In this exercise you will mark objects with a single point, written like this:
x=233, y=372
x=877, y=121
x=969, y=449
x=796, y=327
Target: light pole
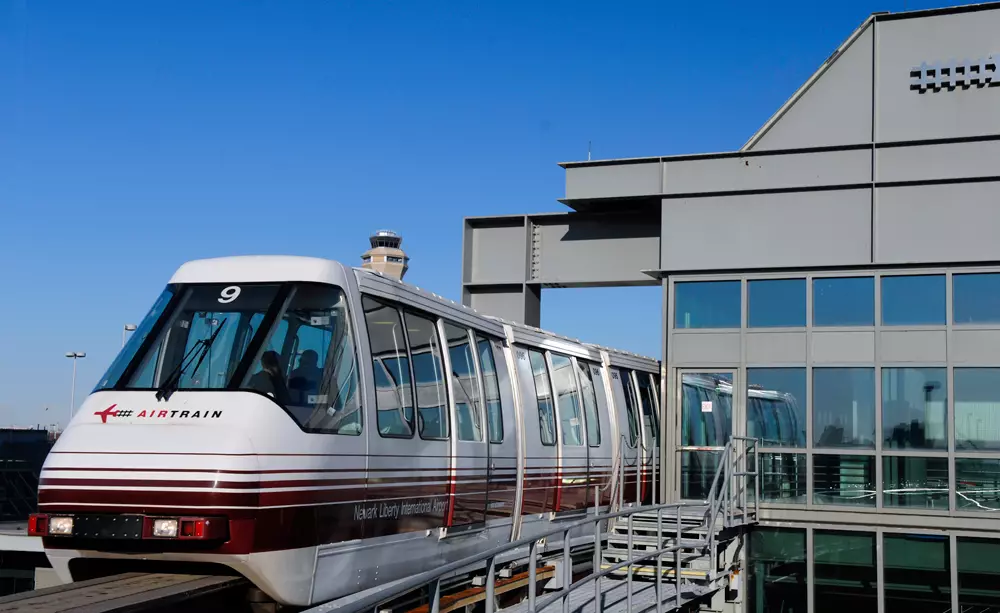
x=74, y=355
x=125, y=330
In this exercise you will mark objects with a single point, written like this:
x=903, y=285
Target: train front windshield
x=291, y=342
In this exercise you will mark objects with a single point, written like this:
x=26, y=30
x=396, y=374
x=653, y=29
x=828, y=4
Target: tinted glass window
x=977, y=408
x=977, y=484
x=847, y=301
x=650, y=420
x=706, y=409
x=776, y=406
x=914, y=408
x=844, y=479
x=978, y=575
x=776, y=302
x=777, y=573
x=589, y=403
x=432, y=395
x=976, y=298
x=707, y=304
x=568, y=399
x=543, y=397
x=915, y=482
x=135, y=341
x=844, y=565
x=783, y=478
x=917, y=573
x=494, y=412
x=391, y=369
x=913, y=300
x=625, y=376
x=465, y=384
x=844, y=407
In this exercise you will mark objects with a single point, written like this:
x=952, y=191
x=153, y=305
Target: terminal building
x=837, y=279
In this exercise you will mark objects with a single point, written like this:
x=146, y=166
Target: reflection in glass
x=976, y=298
x=589, y=402
x=978, y=575
x=631, y=408
x=915, y=482
x=844, y=407
x=428, y=371
x=776, y=302
x=913, y=300
x=783, y=478
x=697, y=472
x=977, y=484
x=847, y=301
x=568, y=400
x=707, y=304
x=543, y=398
x=465, y=384
x=846, y=577
x=977, y=408
x=650, y=420
x=776, y=406
x=494, y=412
x=914, y=408
x=844, y=479
x=135, y=341
x=706, y=409
x=917, y=573
x=777, y=574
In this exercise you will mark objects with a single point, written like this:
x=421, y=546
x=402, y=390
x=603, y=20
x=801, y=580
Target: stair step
x=650, y=541
x=647, y=571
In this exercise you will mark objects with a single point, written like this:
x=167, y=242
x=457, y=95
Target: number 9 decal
x=230, y=294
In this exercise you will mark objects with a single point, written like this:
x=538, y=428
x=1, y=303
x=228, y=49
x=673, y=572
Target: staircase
x=709, y=532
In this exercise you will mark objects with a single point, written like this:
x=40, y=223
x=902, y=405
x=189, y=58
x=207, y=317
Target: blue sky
x=137, y=135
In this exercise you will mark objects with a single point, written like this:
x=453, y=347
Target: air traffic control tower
x=842, y=271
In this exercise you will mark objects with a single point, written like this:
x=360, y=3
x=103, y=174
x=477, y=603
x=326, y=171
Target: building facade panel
x=587, y=250
x=706, y=349
x=938, y=162
x=497, y=253
x=842, y=347
x=930, y=346
x=776, y=347
x=614, y=181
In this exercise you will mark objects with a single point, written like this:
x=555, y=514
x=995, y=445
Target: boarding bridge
x=681, y=556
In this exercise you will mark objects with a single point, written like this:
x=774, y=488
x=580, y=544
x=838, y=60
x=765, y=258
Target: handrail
x=720, y=494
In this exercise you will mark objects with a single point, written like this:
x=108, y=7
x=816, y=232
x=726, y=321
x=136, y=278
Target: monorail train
x=322, y=430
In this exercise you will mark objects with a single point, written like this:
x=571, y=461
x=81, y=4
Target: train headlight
x=165, y=528
x=62, y=526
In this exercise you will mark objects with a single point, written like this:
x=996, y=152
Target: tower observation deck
x=386, y=255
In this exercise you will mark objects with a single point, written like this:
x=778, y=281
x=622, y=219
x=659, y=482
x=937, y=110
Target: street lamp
x=74, y=355
x=125, y=330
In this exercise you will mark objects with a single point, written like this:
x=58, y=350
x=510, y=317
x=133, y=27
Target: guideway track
x=130, y=592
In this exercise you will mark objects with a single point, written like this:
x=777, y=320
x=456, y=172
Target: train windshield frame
x=292, y=342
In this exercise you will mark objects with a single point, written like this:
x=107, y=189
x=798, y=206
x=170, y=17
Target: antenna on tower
x=588, y=150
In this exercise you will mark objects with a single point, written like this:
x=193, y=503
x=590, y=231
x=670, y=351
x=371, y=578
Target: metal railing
x=725, y=500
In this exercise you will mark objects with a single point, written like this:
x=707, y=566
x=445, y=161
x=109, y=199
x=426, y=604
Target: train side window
x=568, y=399
x=543, y=396
x=630, y=411
x=494, y=410
x=465, y=384
x=432, y=397
x=648, y=407
x=391, y=368
x=589, y=396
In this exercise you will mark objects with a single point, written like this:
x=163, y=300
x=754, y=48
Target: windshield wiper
x=201, y=347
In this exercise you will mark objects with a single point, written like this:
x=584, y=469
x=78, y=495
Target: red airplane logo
x=106, y=412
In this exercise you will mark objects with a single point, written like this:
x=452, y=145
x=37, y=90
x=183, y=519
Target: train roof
x=279, y=268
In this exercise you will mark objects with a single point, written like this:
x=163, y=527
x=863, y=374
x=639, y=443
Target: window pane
x=913, y=300
x=776, y=406
x=391, y=367
x=844, y=407
x=845, y=572
x=917, y=573
x=777, y=573
x=915, y=482
x=776, y=302
x=783, y=478
x=707, y=304
x=494, y=410
x=706, y=409
x=650, y=420
x=568, y=400
x=465, y=384
x=977, y=408
x=847, y=301
x=976, y=298
x=978, y=575
x=590, y=403
x=914, y=408
x=844, y=479
x=432, y=395
x=543, y=397
x=977, y=484
x=698, y=470
x=631, y=411
x=135, y=341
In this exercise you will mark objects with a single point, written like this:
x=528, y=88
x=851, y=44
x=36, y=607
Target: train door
x=501, y=432
x=649, y=409
x=705, y=402
x=628, y=417
x=573, y=450
x=470, y=449
x=599, y=431
x=409, y=453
